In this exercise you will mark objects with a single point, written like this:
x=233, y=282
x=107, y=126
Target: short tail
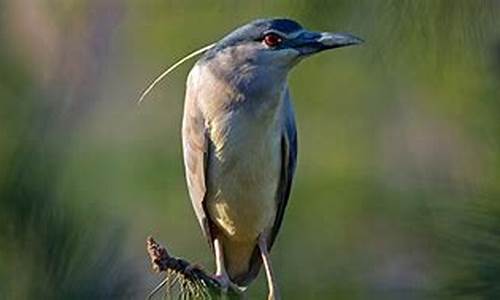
x=242, y=261
x=245, y=278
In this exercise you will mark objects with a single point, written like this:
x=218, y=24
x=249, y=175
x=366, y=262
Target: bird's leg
x=220, y=269
x=221, y=275
x=266, y=260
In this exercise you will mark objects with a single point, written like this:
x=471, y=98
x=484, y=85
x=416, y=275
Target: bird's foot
x=226, y=284
x=223, y=280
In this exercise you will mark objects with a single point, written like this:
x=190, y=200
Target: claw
x=223, y=281
x=226, y=284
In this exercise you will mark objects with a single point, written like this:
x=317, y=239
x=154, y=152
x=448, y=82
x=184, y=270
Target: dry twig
x=193, y=281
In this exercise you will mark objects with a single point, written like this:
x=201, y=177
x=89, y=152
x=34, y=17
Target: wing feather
x=196, y=150
x=288, y=165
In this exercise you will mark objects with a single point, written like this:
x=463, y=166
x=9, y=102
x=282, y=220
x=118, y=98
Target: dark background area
x=397, y=194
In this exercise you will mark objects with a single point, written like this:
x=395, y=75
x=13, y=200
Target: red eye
x=272, y=40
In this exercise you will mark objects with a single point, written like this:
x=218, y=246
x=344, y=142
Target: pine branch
x=192, y=279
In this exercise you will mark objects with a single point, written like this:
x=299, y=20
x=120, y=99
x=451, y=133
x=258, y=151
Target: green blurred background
x=397, y=194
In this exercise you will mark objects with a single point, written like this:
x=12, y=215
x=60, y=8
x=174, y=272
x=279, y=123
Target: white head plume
x=173, y=67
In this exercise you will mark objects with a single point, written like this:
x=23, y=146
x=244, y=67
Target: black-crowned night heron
x=240, y=141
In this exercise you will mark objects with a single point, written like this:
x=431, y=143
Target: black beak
x=313, y=42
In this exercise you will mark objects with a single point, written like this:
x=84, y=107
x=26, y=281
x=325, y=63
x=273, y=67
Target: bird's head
x=270, y=46
x=275, y=43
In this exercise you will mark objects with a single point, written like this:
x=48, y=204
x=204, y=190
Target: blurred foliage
x=397, y=194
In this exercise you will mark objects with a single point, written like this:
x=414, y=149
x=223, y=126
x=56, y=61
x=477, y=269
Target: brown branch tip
x=158, y=255
x=162, y=261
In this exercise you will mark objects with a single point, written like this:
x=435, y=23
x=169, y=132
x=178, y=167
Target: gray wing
x=195, y=149
x=288, y=165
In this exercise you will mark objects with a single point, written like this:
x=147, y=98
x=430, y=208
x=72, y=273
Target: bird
x=239, y=141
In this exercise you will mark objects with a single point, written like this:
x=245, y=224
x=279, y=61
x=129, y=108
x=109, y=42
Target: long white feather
x=173, y=67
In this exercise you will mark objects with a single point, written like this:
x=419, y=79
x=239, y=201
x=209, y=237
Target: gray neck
x=259, y=88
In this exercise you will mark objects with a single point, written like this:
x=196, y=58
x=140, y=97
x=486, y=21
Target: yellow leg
x=266, y=260
x=220, y=269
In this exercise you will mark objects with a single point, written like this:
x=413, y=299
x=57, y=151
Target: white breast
x=243, y=175
x=245, y=155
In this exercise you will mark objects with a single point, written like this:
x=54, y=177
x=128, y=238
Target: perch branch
x=162, y=261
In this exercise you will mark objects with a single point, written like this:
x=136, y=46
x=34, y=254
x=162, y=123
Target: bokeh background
x=397, y=194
